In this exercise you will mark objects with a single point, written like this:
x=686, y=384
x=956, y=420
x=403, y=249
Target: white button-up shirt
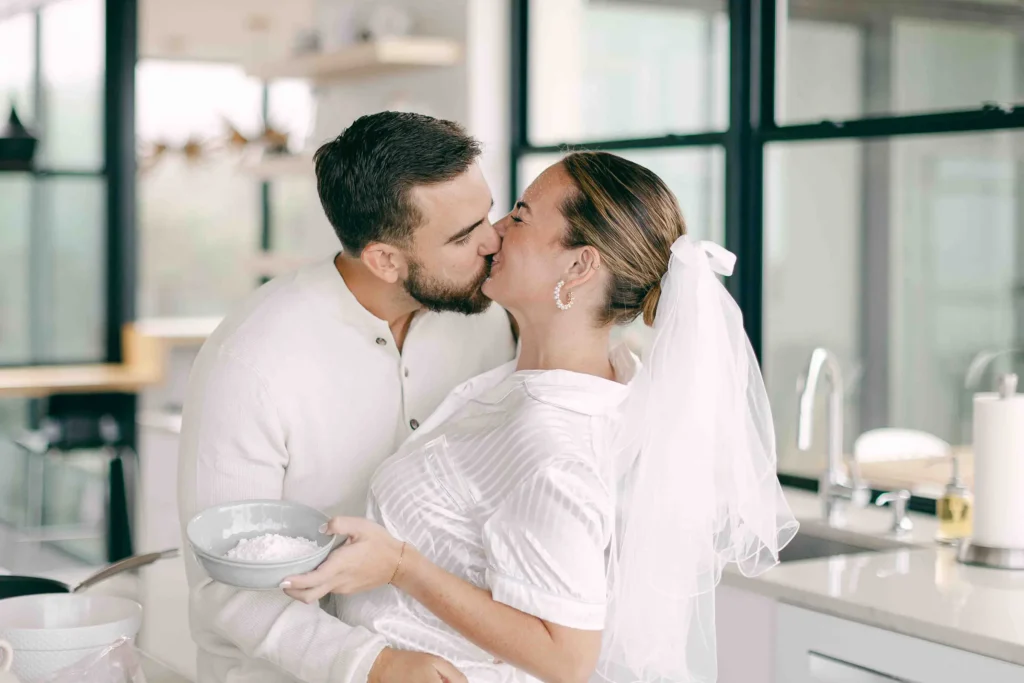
x=300, y=395
x=510, y=486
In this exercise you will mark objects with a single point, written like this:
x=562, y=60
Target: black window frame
x=752, y=125
x=117, y=169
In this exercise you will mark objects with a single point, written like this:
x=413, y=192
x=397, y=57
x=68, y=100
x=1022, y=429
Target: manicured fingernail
x=323, y=528
x=285, y=584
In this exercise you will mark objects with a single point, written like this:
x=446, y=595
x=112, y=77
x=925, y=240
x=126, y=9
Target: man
x=321, y=374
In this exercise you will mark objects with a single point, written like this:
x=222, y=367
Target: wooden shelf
x=364, y=59
x=279, y=165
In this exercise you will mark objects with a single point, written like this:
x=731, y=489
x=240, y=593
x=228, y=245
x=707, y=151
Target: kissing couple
x=522, y=499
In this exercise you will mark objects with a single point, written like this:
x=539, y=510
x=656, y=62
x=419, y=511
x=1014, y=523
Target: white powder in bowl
x=272, y=548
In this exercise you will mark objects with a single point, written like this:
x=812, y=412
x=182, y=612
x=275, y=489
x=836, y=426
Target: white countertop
x=157, y=672
x=917, y=591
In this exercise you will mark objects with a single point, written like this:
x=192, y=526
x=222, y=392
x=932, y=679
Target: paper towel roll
x=999, y=470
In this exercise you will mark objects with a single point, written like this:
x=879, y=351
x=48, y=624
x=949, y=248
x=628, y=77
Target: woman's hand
x=367, y=560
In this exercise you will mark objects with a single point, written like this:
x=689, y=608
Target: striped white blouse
x=509, y=486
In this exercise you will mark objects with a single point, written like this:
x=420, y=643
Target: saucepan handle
x=125, y=565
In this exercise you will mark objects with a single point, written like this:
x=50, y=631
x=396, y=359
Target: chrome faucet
x=838, y=485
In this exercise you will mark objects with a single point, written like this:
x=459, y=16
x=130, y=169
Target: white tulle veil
x=697, y=472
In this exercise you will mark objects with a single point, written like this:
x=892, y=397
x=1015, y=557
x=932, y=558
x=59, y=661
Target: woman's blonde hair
x=631, y=217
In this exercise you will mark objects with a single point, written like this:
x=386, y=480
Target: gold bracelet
x=401, y=556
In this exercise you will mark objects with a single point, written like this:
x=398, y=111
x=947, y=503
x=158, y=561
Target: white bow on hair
x=720, y=259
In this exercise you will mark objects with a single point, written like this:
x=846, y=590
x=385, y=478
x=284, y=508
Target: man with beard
x=322, y=373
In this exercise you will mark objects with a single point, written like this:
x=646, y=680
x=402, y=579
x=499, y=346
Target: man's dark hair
x=364, y=175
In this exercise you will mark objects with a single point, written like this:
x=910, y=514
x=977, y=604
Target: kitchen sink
x=815, y=540
x=807, y=547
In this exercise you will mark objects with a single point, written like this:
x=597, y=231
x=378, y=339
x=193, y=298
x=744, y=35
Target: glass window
x=201, y=257
x=625, y=69
x=299, y=229
x=696, y=175
x=697, y=178
x=812, y=276
x=73, y=225
x=176, y=101
x=14, y=414
x=861, y=58
x=195, y=256
x=957, y=223
x=292, y=109
x=52, y=269
x=17, y=45
x=903, y=257
x=72, y=64
x=15, y=226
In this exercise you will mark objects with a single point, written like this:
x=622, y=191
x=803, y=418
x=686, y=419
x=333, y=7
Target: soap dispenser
x=954, y=509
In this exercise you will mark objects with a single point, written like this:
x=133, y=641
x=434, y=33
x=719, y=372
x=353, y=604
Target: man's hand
x=401, y=666
x=367, y=560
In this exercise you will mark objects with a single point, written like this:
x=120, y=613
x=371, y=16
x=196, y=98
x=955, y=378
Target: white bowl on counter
x=52, y=632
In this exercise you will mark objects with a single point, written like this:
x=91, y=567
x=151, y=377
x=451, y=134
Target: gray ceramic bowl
x=216, y=530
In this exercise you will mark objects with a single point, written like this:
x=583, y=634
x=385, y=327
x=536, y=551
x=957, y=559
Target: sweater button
x=381, y=341
x=414, y=424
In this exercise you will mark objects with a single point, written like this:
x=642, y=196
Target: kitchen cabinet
x=811, y=647
x=156, y=512
x=745, y=628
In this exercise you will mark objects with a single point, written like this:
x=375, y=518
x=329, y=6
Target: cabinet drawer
x=817, y=648
x=824, y=669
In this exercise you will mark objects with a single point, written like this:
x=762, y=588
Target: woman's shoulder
x=543, y=432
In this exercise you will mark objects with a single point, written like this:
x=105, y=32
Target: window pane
x=695, y=175
x=196, y=255
x=812, y=277
x=13, y=421
x=292, y=109
x=299, y=228
x=17, y=45
x=300, y=232
x=15, y=224
x=859, y=58
x=73, y=223
x=72, y=70
x=622, y=69
x=905, y=258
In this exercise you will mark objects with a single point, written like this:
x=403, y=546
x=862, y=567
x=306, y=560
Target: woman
x=548, y=518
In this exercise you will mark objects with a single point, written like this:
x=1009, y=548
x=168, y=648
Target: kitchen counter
x=146, y=344
x=156, y=672
x=919, y=591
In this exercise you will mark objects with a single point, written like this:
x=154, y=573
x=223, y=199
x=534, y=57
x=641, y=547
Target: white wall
x=473, y=93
